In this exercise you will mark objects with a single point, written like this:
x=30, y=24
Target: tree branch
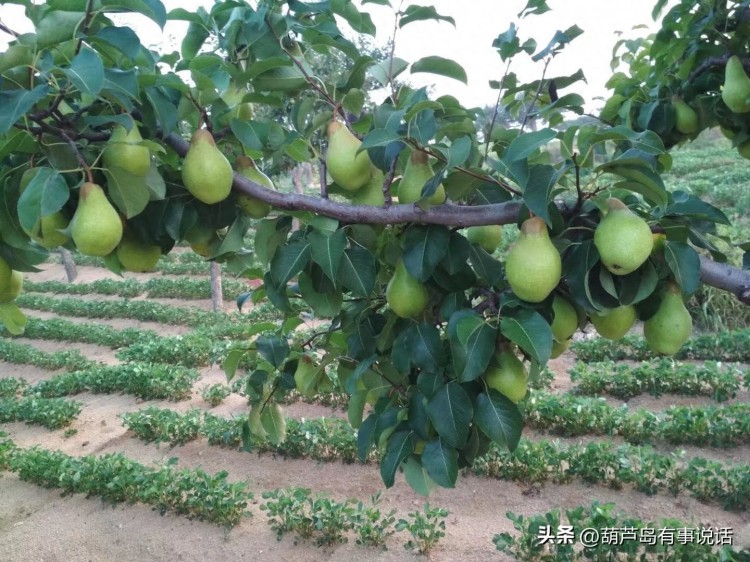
x=721, y=276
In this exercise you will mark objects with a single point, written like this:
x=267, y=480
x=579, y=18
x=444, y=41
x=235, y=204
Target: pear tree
x=115, y=149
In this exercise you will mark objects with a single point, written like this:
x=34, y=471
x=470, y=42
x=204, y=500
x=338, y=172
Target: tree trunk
x=217, y=295
x=70, y=266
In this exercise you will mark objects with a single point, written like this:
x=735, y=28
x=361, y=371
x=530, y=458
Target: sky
x=478, y=23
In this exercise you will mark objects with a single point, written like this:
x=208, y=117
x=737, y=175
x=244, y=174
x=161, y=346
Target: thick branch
x=718, y=275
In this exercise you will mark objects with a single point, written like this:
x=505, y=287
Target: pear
x=372, y=193
x=348, y=169
x=744, y=149
x=558, y=348
x=251, y=206
x=206, y=172
x=406, y=296
x=135, y=255
x=488, y=237
x=686, y=117
x=671, y=326
x=623, y=239
x=533, y=266
x=507, y=375
x=615, y=323
x=11, y=282
x=565, y=322
x=47, y=231
x=124, y=151
x=96, y=226
x=200, y=238
x=736, y=91
x=417, y=173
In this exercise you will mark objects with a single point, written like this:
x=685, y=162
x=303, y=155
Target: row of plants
x=598, y=532
x=568, y=415
x=52, y=413
x=180, y=263
x=60, y=329
x=724, y=346
x=326, y=521
x=24, y=354
x=10, y=387
x=144, y=311
x=331, y=439
x=658, y=377
x=159, y=287
x=116, y=479
x=149, y=381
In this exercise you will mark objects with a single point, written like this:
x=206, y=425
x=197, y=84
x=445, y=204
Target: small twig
x=538, y=93
x=496, y=112
x=270, y=394
x=396, y=20
x=704, y=66
x=86, y=23
x=8, y=30
x=579, y=200
x=388, y=181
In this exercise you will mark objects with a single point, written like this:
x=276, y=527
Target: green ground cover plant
x=25, y=354
x=52, y=413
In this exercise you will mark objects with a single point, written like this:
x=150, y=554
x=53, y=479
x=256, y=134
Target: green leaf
x=426, y=350
x=328, y=250
x=379, y=137
x=289, y=260
x=400, y=446
x=269, y=235
x=530, y=331
x=152, y=9
x=441, y=462
x=325, y=304
x=424, y=247
x=485, y=266
x=558, y=42
x=386, y=71
x=128, y=191
x=685, y=265
x=123, y=39
x=16, y=103
x=232, y=361
x=361, y=22
x=357, y=271
x=164, y=109
x=472, y=344
x=450, y=411
x=45, y=194
x=697, y=209
x=417, y=478
x=537, y=193
x=440, y=66
x=414, y=13
x=273, y=423
x=274, y=349
x=524, y=145
x=498, y=418
x=12, y=318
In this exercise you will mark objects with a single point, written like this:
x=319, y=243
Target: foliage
x=59, y=329
x=116, y=479
x=52, y=413
x=163, y=425
x=148, y=381
x=244, y=77
x=599, y=517
x=658, y=377
x=215, y=394
x=426, y=528
x=10, y=387
x=22, y=353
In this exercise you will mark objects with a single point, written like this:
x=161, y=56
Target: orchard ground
x=38, y=524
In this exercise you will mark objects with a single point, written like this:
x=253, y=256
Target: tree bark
x=70, y=266
x=217, y=294
x=722, y=276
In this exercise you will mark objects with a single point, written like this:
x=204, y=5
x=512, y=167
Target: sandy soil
x=38, y=525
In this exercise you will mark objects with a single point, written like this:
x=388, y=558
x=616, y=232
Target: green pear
x=488, y=236
x=686, y=117
x=123, y=150
x=417, y=173
x=16, y=55
x=558, y=348
x=736, y=91
x=615, y=323
x=11, y=282
x=96, y=226
x=533, y=266
x=47, y=231
x=251, y=206
x=201, y=239
x=507, y=375
x=206, y=172
x=406, y=296
x=623, y=239
x=348, y=169
x=670, y=327
x=372, y=193
x=135, y=255
x=565, y=322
